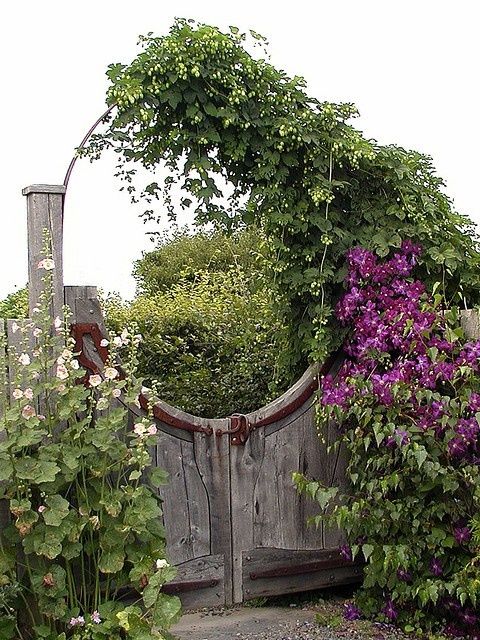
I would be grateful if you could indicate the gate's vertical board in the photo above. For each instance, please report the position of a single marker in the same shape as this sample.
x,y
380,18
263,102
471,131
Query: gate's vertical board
x,y
470,320
212,456
245,464
277,502
335,477
185,501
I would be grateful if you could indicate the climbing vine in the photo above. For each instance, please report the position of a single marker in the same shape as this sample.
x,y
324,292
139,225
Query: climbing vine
x,y
243,142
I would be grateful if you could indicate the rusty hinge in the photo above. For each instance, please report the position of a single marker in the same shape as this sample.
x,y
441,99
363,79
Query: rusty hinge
x,y
240,429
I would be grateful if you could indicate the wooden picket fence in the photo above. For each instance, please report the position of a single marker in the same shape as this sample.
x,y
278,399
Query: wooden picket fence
x,y
236,527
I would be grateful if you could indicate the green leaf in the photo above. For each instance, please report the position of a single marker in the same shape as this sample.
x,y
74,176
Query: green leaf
x,y
6,468
112,561
367,550
40,471
158,477
58,509
420,456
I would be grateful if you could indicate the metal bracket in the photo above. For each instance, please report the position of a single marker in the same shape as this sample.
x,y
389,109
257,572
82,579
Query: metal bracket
x,y
79,330
240,429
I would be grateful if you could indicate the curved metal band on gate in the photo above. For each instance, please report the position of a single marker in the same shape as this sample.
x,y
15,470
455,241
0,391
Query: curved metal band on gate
x,y
241,425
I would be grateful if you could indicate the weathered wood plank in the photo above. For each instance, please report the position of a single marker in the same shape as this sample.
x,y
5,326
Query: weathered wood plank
x,y
245,465
296,447
201,570
470,321
298,569
212,457
85,308
185,501
45,213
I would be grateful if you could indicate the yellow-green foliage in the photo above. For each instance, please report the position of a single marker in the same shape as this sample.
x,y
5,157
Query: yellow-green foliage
x,y
211,322
15,305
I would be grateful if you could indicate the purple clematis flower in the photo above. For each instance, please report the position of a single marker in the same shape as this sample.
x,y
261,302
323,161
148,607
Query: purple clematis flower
x,y
436,567
462,534
346,553
389,610
351,612
404,575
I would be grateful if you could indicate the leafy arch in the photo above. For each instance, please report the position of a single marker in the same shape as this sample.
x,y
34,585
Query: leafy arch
x,y
197,102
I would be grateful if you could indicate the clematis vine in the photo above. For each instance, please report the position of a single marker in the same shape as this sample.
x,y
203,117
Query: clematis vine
x,y
406,397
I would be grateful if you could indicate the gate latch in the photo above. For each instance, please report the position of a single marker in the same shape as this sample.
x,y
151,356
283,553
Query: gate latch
x,y
240,429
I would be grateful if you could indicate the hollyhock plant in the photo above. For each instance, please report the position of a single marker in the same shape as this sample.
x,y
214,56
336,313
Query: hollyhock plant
x,y
85,517
407,401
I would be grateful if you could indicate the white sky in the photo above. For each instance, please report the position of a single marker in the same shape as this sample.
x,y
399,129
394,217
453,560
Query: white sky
x,y
412,68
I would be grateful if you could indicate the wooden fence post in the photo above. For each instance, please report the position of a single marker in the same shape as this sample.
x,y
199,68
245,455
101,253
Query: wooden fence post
x,y
45,212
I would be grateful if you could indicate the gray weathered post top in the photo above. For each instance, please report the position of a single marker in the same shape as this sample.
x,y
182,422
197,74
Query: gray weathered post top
x,y
45,212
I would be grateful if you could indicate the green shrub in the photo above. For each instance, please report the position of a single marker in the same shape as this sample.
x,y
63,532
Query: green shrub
x,y
211,343
245,143
181,256
15,305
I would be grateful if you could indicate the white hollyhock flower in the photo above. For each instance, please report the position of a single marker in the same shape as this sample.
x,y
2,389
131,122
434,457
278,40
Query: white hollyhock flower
x,y
28,412
47,263
17,394
162,563
152,430
117,341
57,323
104,342
24,359
116,393
62,373
28,393
139,429
74,364
102,404
110,373
94,380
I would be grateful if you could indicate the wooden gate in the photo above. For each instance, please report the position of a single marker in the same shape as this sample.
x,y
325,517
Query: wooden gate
x,y
235,526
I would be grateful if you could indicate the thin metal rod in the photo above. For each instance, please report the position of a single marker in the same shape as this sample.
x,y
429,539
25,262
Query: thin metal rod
x,y
83,143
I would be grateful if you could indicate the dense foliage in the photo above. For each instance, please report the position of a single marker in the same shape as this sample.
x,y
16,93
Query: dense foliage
x,y
246,143
408,397
85,521
182,256
212,335
15,305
